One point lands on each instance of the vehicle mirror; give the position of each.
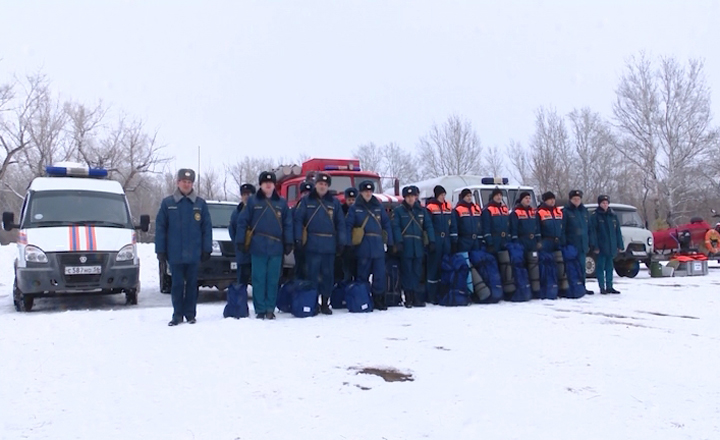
(396, 186)
(144, 223)
(8, 219)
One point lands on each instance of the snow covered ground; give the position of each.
(639, 365)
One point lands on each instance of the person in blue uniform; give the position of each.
(267, 224)
(368, 214)
(349, 263)
(524, 225)
(496, 223)
(320, 234)
(550, 224)
(469, 223)
(299, 253)
(183, 238)
(606, 227)
(576, 224)
(241, 257)
(411, 226)
(446, 237)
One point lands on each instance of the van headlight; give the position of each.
(216, 248)
(33, 254)
(127, 253)
(650, 241)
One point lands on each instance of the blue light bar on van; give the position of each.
(75, 172)
(494, 180)
(342, 168)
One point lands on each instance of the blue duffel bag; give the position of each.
(337, 297)
(284, 297)
(358, 298)
(304, 300)
(237, 302)
(454, 298)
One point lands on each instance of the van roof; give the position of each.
(75, 184)
(613, 205)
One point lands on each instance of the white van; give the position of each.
(481, 188)
(76, 237)
(638, 241)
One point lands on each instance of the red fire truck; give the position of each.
(345, 173)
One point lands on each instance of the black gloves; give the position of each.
(162, 257)
(431, 247)
(205, 256)
(399, 247)
(453, 248)
(288, 249)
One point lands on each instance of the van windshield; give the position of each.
(220, 214)
(69, 208)
(629, 218)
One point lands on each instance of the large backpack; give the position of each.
(358, 298)
(576, 287)
(284, 297)
(237, 302)
(304, 300)
(520, 272)
(454, 272)
(548, 276)
(337, 297)
(487, 267)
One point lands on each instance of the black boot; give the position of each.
(260, 316)
(589, 292)
(409, 299)
(379, 301)
(603, 291)
(270, 315)
(612, 290)
(174, 322)
(325, 306)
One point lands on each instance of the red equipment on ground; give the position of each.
(684, 239)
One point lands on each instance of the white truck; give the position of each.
(481, 188)
(76, 237)
(638, 241)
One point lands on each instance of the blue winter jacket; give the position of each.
(240, 257)
(408, 225)
(183, 229)
(524, 227)
(606, 226)
(325, 223)
(550, 222)
(469, 225)
(372, 245)
(271, 223)
(496, 225)
(576, 223)
(444, 225)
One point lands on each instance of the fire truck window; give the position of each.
(341, 183)
(292, 193)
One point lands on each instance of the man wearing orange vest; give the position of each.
(469, 224)
(496, 223)
(550, 223)
(446, 237)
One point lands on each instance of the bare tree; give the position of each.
(451, 149)
(370, 156)
(210, 186)
(45, 130)
(551, 160)
(496, 161)
(83, 124)
(663, 114)
(520, 163)
(247, 170)
(398, 164)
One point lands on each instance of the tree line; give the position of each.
(658, 149)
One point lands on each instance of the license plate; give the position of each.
(83, 270)
(233, 265)
(639, 253)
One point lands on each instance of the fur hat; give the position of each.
(409, 191)
(603, 198)
(367, 185)
(247, 188)
(575, 193)
(322, 177)
(351, 193)
(306, 187)
(267, 176)
(186, 174)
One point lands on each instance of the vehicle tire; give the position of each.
(27, 302)
(621, 268)
(165, 279)
(131, 297)
(633, 270)
(17, 297)
(590, 266)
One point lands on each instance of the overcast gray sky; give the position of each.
(321, 77)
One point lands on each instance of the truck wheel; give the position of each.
(17, 297)
(590, 266)
(622, 268)
(131, 297)
(165, 279)
(633, 270)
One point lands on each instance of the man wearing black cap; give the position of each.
(243, 258)
(350, 197)
(576, 219)
(320, 235)
(550, 223)
(524, 229)
(349, 265)
(299, 253)
(411, 229)
(469, 222)
(605, 225)
(368, 215)
(265, 229)
(446, 237)
(496, 223)
(183, 238)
